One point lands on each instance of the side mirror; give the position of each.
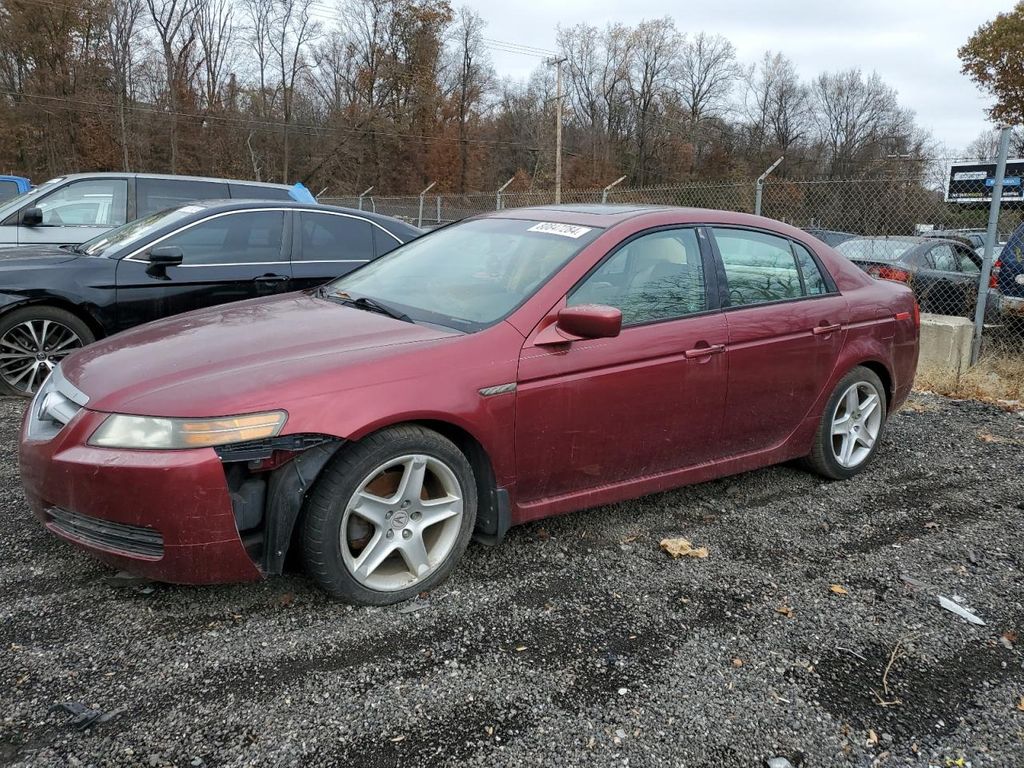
(32, 217)
(165, 256)
(586, 321)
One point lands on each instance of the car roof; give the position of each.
(594, 215)
(169, 177)
(235, 204)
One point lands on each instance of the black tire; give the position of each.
(326, 505)
(39, 312)
(822, 458)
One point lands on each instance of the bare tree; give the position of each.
(859, 119)
(294, 29)
(215, 31)
(655, 47)
(775, 104)
(122, 32)
(176, 27)
(707, 74)
(472, 80)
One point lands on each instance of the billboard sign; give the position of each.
(973, 182)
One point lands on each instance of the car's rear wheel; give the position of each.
(32, 341)
(390, 517)
(851, 425)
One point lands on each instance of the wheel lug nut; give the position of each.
(405, 504)
(387, 515)
(406, 534)
(390, 534)
(416, 515)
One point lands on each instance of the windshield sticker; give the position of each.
(191, 209)
(563, 230)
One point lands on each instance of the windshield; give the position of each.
(467, 275)
(875, 249)
(133, 231)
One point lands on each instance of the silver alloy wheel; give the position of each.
(856, 423)
(31, 349)
(402, 522)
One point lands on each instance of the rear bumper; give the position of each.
(1012, 305)
(165, 515)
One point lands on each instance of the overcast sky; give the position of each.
(911, 43)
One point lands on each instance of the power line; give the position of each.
(316, 130)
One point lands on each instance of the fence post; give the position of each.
(604, 192)
(364, 194)
(439, 210)
(423, 194)
(990, 241)
(759, 185)
(497, 200)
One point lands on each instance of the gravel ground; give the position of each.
(577, 642)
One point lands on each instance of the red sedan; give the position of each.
(511, 367)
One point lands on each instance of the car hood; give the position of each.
(34, 256)
(242, 357)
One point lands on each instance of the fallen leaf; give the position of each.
(542, 534)
(737, 662)
(683, 548)
(1020, 704)
(399, 738)
(286, 599)
(520, 648)
(785, 610)
(489, 729)
(631, 538)
(931, 524)
(838, 589)
(872, 736)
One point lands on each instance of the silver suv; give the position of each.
(72, 209)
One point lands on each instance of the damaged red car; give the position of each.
(514, 366)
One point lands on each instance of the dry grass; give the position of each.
(995, 379)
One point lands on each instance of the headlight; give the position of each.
(153, 432)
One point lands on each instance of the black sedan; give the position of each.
(55, 299)
(943, 274)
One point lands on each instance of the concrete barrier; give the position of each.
(946, 343)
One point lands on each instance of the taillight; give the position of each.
(890, 273)
(993, 279)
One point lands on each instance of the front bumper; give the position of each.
(165, 515)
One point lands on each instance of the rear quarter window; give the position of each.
(257, 192)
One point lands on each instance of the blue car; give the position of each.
(12, 186)
(1010, 277)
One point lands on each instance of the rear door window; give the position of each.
(158, 194)
(759, 267)
(334, 237)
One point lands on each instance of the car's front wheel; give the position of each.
(390, 517)
(851, 425)
(33, 340)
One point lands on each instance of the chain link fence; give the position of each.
(893, 228)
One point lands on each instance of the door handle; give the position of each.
(825, 330)
(271, 279)
(705, 351)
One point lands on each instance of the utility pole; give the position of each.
(557, 64)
